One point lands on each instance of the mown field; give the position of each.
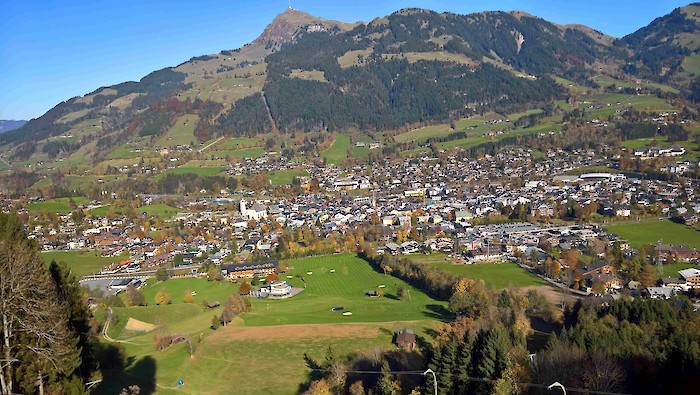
(82, 263)
(58, 206)
(672, 269)
(638, 234)
(338, 152)
(285, 329)
(181, 133)
(285, 177)
(497, 275)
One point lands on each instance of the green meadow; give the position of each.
(287, 328)
(80, 262)
(58, 206)
(638, 234)
(338, 152)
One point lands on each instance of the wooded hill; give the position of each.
(414, 66)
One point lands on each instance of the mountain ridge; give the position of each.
(275, 75)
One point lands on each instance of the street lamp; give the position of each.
(558, 385)
(435, 385)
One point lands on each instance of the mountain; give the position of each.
(7, 125)
(668, 49)
(308, 74)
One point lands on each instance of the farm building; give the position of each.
(249, 269)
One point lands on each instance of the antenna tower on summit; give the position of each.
(290, 5)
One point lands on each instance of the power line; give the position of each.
(469, 378)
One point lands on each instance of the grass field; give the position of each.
(638, 234)
(200, 171)
(181, 133)
(233, 143)
(82, 262)
(672, 270)
(286, 328)
(58, 206)
(255, 152)
(501, 275)
(159, 210)
(338, 152)
(285, 177)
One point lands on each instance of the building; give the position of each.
(277, 289)
(249, 269)
(406, 340)
(691, 277)
(256, 212)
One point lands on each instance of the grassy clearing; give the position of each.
(233, 143)
(58, 206)
(352, 58)
(413, 57)
(285, 177)
(604, 80)
(638, 234)
(309, 75)
(338, 152)
(200, 171)
(80, 262)
(125, 151)
(500, 275)
(244, 347)
(346, 287)
(239, 153)
(159, 210)
(181, 133)
(672, 269)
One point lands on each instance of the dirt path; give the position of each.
(217, 140)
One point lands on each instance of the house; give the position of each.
(691, 277)
(249, 269)
(660, 292)
(406, 340)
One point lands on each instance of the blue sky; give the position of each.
(53, 50)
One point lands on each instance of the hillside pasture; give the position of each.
(181, 133)
(57, 206)
(338, 152)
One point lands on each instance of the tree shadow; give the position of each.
(392, 297)
(142, 373)
(438, 312)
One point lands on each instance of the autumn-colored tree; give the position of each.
(244, 289)
(188, 298)
(163, 297)
(571, 256)
(271, 278)
(598, 287)
(647, 276)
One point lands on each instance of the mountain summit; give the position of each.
(287, 26)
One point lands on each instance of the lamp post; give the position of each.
(435, 385)
(558, 385)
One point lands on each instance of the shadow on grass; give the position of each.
(438, 312)
(141, 374)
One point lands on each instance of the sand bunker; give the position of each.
(135, 325)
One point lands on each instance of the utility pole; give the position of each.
(659, 264)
